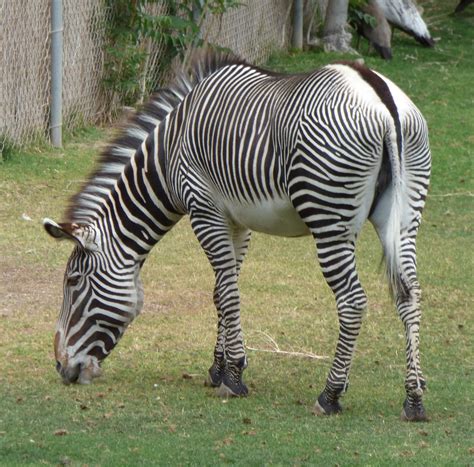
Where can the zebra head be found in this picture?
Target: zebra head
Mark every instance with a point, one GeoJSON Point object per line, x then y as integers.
{"type": "Point", "coordinates": [100, 300]}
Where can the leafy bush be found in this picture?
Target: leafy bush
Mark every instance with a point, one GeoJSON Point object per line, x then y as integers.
{"type": "Point", "coordinates": [358, 16]}
{"type": "Point", "coordinates": [132, 29]}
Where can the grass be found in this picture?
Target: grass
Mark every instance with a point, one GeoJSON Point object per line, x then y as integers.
{"type": "Point", "coordinates": [151, 406]}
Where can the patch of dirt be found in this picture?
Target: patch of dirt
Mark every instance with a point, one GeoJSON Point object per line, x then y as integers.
{"type": "Point", "coordinates": [29, 289]}
{"type": "Point", "coordinates": [169, 302]}
{"type": "Point", "coordinates": [38, 289]}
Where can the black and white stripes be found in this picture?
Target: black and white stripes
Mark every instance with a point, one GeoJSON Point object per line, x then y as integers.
{"type": "Point", "coordinates": [239, 149]}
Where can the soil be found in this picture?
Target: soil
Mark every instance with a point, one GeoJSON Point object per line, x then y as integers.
{"type": "Point", "coordinates": [28, 289]}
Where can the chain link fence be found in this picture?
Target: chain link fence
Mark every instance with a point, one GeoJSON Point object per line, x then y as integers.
{"type": "Point", "coordinates": [253, 30]}
{"type": "Point", "coordinates": [25, 67]}
{"type": "Point", "coordinates": [24, 70]}
{"type": "Point", "coordinates": [84, 39]}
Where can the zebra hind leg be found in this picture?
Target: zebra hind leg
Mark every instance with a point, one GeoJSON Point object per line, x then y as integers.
{"type": "Point", "coordinates": [407, 298]}
{"type": "Point", "coordinates": [408, 306]}
{"type": "Point", "coordinates": [337, 260]}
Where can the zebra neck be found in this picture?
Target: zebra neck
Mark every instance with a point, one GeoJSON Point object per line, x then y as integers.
{"type": "Point", "coordinates": [140, 209]}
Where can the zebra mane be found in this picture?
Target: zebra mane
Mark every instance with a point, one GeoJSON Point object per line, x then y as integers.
{"type": "Point", "coordinates": [117, 154]}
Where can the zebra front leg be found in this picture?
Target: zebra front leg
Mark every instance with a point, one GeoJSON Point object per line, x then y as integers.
{"type": "Point", "coordinates": [338, 264]}
{"type": "Point", "coordinates": [216, 238]}
{"type": "Point", "coordinates": [235, 358]}
{"type": "Point", "coordinates": [216, 372]}
{"type": "Point", "coordinates": [240, 240]}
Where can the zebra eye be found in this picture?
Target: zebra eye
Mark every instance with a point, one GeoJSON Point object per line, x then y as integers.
{"type": "Point", "coordinates": [71, 281]}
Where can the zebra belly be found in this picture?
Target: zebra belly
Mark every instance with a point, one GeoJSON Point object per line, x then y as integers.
{"type": "Point", "coordinates": [274, 217]}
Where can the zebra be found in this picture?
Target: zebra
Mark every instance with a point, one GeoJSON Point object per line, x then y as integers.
{"type": "Point", "coordinates": [238, 149]}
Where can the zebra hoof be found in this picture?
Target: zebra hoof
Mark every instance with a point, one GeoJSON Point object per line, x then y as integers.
{"type": "Point", "coordinates": [232, 390]}
{"type": "Point", "coordinates": [215, 375]}
{"type": "Point", "coordinates": [413, 412]}
{"type": "Point", "coordinates": [323, 407]}
{"type": "Point", "coordinates": [232, 385]}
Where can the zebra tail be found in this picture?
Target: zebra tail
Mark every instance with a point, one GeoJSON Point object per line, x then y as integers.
{"type": "Point", "coordinates": [392, 241]}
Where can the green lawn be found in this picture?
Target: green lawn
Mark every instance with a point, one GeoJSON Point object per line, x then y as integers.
{"type": "Point", "coordinates": [151, 406]}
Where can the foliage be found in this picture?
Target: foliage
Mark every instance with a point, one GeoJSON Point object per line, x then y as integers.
{"type": "Point", "coordinates": [357, 15]}
{"type": "Point", "coordinates": [134, 27]}
{"type": "Point", "coordinates": [358, 3]}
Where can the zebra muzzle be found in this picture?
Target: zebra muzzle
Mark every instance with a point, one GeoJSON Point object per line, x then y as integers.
{"type": "Point", "coordinates": [69, 374]}
{"type": "Point", "coordinates": [80, 373]}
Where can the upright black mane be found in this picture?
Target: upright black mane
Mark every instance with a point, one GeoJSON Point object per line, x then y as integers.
{"type": "Point", "coordinates": [115, 157]}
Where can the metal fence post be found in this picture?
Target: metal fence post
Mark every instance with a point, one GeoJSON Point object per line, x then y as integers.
{"type": "Point", "coordinates": [297, 42]}
{"type": "Point", "coordinates": [56, 72]}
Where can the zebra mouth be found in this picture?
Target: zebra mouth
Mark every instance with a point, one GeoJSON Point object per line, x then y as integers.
{"type": "Point", "coordinates": [79, 373]}
{"type": "Point", "coordinates": [69, 374]}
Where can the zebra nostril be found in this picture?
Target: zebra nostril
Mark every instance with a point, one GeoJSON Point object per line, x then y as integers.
{"type": "Point", "coordinates": [69, 374]}
{"type": "Point", "coordinates": [74, 374]}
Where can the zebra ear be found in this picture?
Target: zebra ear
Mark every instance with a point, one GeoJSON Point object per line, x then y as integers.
{"type": "Point", "coordinates": [59, 231]}
{"type": "Point", "coordinates": [63, 231]}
